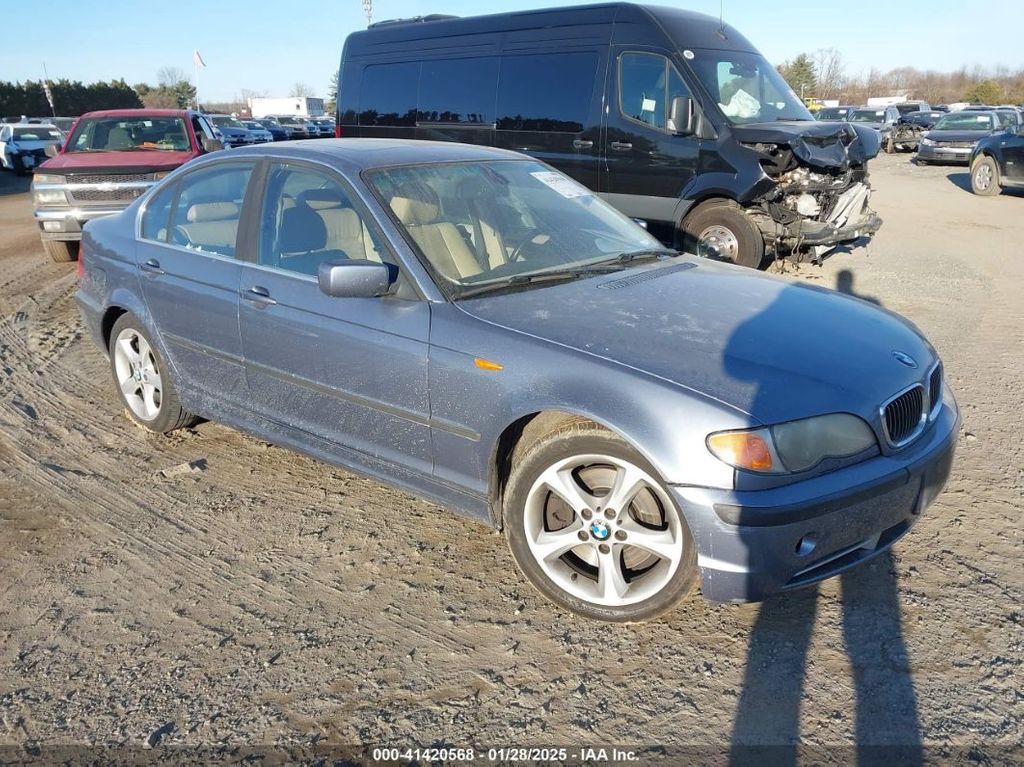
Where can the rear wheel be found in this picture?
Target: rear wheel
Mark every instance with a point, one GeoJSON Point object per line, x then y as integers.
{"type": "Point", "coordinates": [722, 231]}
{"type": "Point", "coordinates": [143, 380]}
{"type": "Point", "coordinates": [594, 529]}
{"type": "Point", "coordinates": [62, 250]}
{"type": "Point", "coordinates": [985, 177]}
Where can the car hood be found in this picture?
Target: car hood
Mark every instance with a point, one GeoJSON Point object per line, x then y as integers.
{"type": "Point", "coordinates": [823, 145]}
{"type": "Point", "coordinates": [773, 349]}
{"type": "Point", "coordinates": [138, 161]}
{"type": "Point", "coordinates": [957, 135]}
{"type": "Point", "coordinates": [232, 131]}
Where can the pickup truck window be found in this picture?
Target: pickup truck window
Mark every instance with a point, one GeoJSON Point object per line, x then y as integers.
{"type": "Point", "coordinates": [122, 134]}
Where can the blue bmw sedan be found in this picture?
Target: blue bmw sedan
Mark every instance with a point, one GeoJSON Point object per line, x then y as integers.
{"type": "Point", "coordinates": [473, 326]}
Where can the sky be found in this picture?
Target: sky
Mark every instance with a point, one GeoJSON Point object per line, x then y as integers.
{"type": "Point", "coordinates": [268, 47]}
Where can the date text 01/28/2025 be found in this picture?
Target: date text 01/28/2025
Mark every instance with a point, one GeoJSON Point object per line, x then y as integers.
{"type": "Point", "coordinates": [504, 754]}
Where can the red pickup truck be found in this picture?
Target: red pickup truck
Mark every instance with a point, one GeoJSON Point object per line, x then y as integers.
{"type": "Point", "coordinates": [109, 159]}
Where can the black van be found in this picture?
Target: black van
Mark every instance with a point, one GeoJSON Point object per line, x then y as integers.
{"type": "Point", "coordinates": [671, 116]}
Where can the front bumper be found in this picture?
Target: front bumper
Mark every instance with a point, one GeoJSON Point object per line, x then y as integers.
{"type": "Point", "coordinates": [751, 545]}
{"type": "Point", "coordinates": [67, 223]}
{"type": "Point", "coordinates": [958, 155]}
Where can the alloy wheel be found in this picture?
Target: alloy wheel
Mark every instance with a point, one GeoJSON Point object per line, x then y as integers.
{"type": "Point", "coordinates": [137, 374]}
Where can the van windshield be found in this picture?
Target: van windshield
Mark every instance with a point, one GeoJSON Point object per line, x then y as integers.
{"type": "Point", "coordinates": [747, 88]}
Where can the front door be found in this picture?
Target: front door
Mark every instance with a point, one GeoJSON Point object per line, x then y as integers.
{"type": "Point", "coordinates": [190, 275]}
{"type": "Point", "coordinates": [1013, 158]}
{"type": "Point", "coordinates": [647, 164]}
{"type": "Point", "coordinates": [351, 371]}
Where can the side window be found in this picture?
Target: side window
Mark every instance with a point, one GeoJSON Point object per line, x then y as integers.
{"type": "Point", "coordinates": [561, 105]}
{"type": "Point", "coordinates": [458, 91]}
{"type": "Point", "coordinates": [157, 214]}
{"type": "Point", "coordinates": [309, 218]}
{"type": "Point", "coordinates": [201, 129]}
{"type": "Point", "coordinates": [209, 208]}
{"type": "Point", "coordinates": [389, 94]}
{"type": "Point", "coordinates": [647, 84]}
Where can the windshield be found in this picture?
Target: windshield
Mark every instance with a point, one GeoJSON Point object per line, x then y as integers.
{"type": "Point", "coordinates": [38, 133]}
{"type": "Point", "coordinates": [489, 223]}
{"type": "Point", "coordinates": [833, 113]}
{"type": "Point", "coordinates": [747, 88]}
{"type": "Point", "coordinates": [120, 134]}
{"type": "Point", "coordinates": [224, 121]}
{"type": "Point", "coordinates": [965, 121]}
{"type": "Point", "coordinates": [906, 109]}
{"type": "Point", "coordinates": [867, 116]}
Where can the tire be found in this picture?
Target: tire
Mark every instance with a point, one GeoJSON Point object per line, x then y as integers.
{"type": "Point", "coordinates": [890, 146]}
{"type": "Point", "coordinates": [18, 164]}
{"type": "Point", "coordinates": [143, 379]}
{"type": "Point", "coordinates": [62, 251]}
{"type": "Point", "coordinates": [985, 177]}
{"type": "Point", "coordinates": [587, 558]}
{"type": "Point", "coordinates": [722, 231]}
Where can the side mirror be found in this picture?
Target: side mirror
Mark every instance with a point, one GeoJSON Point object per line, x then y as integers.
{"type": "Point", "coordinates": [212, 144]}
{"type": "Point", "coordinates": [354, 278]}
{"type": "Point", "coordinates": [51, 150]}
{"type": "Point", "coordinates": [680, 120]}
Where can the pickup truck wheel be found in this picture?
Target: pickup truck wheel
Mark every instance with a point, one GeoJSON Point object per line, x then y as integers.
{"type": "Point", "coordinates": [62, 251]}
{"type": "Point", "coordinates": [143, 379]}
{"type": "Point", "coordinates": [721, 231]}
{"type": "Point", "coordinates": [985, 177]}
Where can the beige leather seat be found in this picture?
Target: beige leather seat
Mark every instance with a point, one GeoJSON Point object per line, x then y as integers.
{"type": "Point", "coordinates": [211, 226]}
{"type": "Point", "coordinates": [440, 241]}
{"type": "Point", "coordinates": [346, 231]}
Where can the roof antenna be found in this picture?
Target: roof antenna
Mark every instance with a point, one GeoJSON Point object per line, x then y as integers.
{"type": "Point", "coordinates": [721, 19]}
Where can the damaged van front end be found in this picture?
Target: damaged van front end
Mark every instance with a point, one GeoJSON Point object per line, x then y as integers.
{"type": "Point", "coordinates": [811, 195]}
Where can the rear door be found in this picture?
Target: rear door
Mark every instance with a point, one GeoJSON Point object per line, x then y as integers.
{"type": "Point", "coordinates": [647, 165]}
{"type": "Point", "coordinates": [351, 371]}
{"type": "Point", "coordinates": [1013, 158]}
{"type": "Point", "coordinates": [190, 274]}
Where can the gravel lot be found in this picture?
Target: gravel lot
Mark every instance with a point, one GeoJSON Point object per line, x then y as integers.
{"type": "Point", "coordinates": [255, 597]}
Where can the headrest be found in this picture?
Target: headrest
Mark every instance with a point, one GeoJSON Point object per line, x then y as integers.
{"type": "Point", "coordinates": [343, 222]}
{"type": "Point", "coordinates": [319, 199]}
{"type": "Point", "coordinates": [302, 230]}
{"type": "Point", "coordinates": [414, 212]}
{"type": "Point", "coordinates": [212, 211]}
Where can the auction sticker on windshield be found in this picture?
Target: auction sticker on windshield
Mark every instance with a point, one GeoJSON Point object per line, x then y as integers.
{"type": "Point", "coordinates": [566, 187]}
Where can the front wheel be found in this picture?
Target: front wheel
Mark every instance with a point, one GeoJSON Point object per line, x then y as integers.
{"type": "Point", "coordinates": [143, 380]}
{"type": "Point", "coordinates": [594, 529]}
{"type": "Point", "coordinates": [985, 177]}
{"type": "Point", "coordinates": [722, 231]}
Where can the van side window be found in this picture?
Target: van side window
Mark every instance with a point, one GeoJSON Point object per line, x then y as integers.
{"type": "Point", "coordinates": [458, 91]}
{"type": "Point", "coordinates": [388, 94]}
{"type": "Point", "coordinates": [561, 105]}
{"type": "Point", "coordinates": [647, 84]}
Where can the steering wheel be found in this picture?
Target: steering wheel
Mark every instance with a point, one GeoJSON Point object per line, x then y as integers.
{"type": "Point", "coordinates": [527, 239]}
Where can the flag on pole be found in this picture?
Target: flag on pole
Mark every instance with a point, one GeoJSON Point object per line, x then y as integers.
{"type": "Point", "coordinates": [49, 95]}
{"type": "Point", "coordinates": [198, 59]}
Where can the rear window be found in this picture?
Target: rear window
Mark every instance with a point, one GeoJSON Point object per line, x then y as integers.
{"type": "Point", "coordinates": [546, 92]}
{"type": "Point", "coordinates": [36, 134]}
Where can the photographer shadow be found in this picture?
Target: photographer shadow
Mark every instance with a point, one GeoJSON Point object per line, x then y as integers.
{"type": "Point", "coordinates": [766, 729]}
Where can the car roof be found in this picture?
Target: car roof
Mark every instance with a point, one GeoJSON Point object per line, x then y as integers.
{"type": "Point", "coordinates": [356, 154]}
{"type": "Point", "coordinates": [138, 113]}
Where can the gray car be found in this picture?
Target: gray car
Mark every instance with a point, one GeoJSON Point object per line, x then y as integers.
{"type": "Point", "coordinates": [471, 325]}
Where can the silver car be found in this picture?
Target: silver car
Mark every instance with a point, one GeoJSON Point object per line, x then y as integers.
{"type": "Point", "coordinates": [471, 325]}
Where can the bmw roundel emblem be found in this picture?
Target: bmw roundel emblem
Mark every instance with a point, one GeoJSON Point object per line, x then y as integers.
{"type": "Point", "coordinates": [600, 531]}
{"type": "Point", "coordinates": [904, 359]}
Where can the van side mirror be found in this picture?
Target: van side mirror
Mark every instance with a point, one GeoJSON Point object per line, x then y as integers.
{"type": "Point", "coordinates": [212, 144]}
{"type": "Point", "coordinates": [354, 278]}
{"type": "Point", "coordinates": [680, 120]}
{"type": "Point", "coordinates": [51, 150]}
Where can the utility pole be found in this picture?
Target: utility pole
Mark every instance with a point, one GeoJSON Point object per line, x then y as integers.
{"type": "Point", "coordinates": [368, 10]}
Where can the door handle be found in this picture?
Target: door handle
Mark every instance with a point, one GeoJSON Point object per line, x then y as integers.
{"type": "Point", "coordinates": [582, 144]}
{"type": "Point", "coordinates": [152, 266]}
{"type": "Point", "coordinates": [258, 295]}
{"type": "Point", "coordinates": [621, 146]}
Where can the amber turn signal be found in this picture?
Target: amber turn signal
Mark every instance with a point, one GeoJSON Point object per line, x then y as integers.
{"type": "Point", "coordinates": [487, 364]}
{"type": "Point", "coordinates": [742, 449]}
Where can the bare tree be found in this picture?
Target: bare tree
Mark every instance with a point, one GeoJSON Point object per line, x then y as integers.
{"type": "Point", "coordinates": [831, 72]}
{"type": "Point", "coordinates": [168, 76]}
{"type": "Point", "coordinates": [301, 89]}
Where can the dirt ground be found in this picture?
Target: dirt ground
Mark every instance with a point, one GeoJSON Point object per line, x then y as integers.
{"type": "Point", "coordinates": [261, 597]}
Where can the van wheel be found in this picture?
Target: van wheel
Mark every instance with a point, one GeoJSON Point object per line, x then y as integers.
{"type": "Point", "coordinates": [985, 177]}
{"type": "Point", "coordinates": [592, 526]}
{"type": "Point", "coordinates": [62, 250]}
{"type": "Point", "coordinates": [722, 231]}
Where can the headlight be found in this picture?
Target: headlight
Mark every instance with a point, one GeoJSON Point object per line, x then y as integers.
{"type": "Point", "coordinates": [162, 174]}
{"type": "Point", "coordinates": [794, 446]}
{"type": "Point", "coordinates": [47, 178]}
{"type": "Point", "coordinates": [49, 197]}
{"type": "Point", "coordinates": [927, 142]}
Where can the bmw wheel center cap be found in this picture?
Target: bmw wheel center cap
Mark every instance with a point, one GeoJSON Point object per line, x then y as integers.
{"type": "Point", "coordinates": [600, 530]}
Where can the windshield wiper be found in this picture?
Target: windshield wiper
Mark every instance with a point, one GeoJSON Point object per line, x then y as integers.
{"type": "Point", "coordinates": [634, 255]}
{"type": "Point", "coordinates": [521, 280]}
